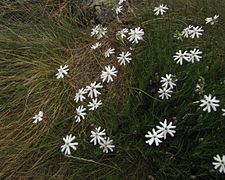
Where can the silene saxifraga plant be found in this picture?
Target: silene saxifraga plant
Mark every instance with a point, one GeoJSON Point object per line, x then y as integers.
{"type": "Point", "coordinates": [120, 54]}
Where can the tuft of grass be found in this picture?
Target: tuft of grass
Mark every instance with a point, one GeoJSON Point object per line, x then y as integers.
{"type": "Point", "coordinates": [35, 39]}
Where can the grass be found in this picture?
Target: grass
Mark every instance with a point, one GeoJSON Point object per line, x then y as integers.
{"type": "Point", "coordinates": [35, 39]}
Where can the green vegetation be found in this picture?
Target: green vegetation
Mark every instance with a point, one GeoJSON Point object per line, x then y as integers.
{"type": "Point", "coordinates": [36, 38]}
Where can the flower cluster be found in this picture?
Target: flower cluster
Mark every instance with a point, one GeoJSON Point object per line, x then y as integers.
{"type": "Point", "coordinates": [90, 94]}
{"type": "Point", "coordinates": [161, 133]}
{"type": "Point", "coordinates": [99, 137]}
{"type": "Point", "coordinates": [189, 32]}
{"type": "Point", "coordinates": [208, 103]}
{"type": "Point", "coordinates": [191, 56]}
{"type": "Point", "coordinates": [91, 91]}
{"type": "Point", "coordinates": [211, 20]}
{"type": "Point", "coordinates": [168, 84]}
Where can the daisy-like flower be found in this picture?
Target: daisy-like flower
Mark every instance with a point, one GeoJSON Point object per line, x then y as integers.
{"type": "Point", "coordinates": [121, 2]}
{"type": "Point", "coordinates": [160, 10]}
{"type": "Point", "coordinates": [196, 32]}
{"type": "Point", "coordinates": [136, 35]}
{"type": "Point", "coordinates": [212, 20]}
{"type": "Point", "coordinates": [154, 137]}
{"type": "Point", "coordinates": [168, 81]}
{"type": "Point", "coordinates": [106, 145]}
{"type": "Point", "coordinates": [99, 31]}
{"type": "Point", "coordinates": [69, 144]}
{"type": "Point", "coordinates": [180, 56]}
{"type": "Point", "coordinates": [186, 32]}
{"type": "Point", "coordinates": [122, 33]}
{"type": "Point", "coordinates": [119, 9]}
{"type": "Point", "coordinates": [223, 110]}
{"type": "Point", "coordinates": [96, 45]}
{"type": "Point", "coordinates": [97, 135]}
{"type": "Point", "coordinates": [220, 163]}
{"type": "Point", "coordinates": [195, 55]}
{"type": "Point", "coordinates": [80, 113]}
{"type": "Point", "coordinates": [165, 93]}
{"type": "Point", "coordinates": [95, 30]}
{"type": "Point", "coordinates": [166, 128]}
{"type": "Point", "coordinates": [209, 103]}
{"type": "Point", "coordinates": [102, 32]}
{"type": "Point", "coordinates": [109, 52]}
{"type": "Point", "coordinates": [92, 89]}
{"type": "Point", "coordinates": [80, 95]}
{"type": "Point", "coordinates": [38, 117]}
{"type": "Point", "coordinates": [94, 104]}
{"type": "Point", "coordinates": [108, 73]}
{"type": "Point", "coordinates": [63, 70]}
{"type": "Point", "coordinates": [124, 58]}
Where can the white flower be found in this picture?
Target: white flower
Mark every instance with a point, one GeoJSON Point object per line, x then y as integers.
{"type": "Point", "coordinates": [223, 110]}
{"type": "Point", "coordinates": [124, 57]}
{"type": "Point", "coordinates": [109, 52]}
{"type": "Point", "coordinates": [106, 145]}
{"type": "Point", "coordinates": [168, 81]}
{"type": "Point", "coordinates": [198, 88]}
{"type": "Point", "coordinates": [165, 93]}
{"type": "Point", "coordinates": [121, 2]}
{"type": "Point", "coordinates": [38, 117]}
{"type": "Point", "coordinates": [122, 33]}
{"type": "Point", "coordinates": [99, 31]}
{"type": "Point", "coordinates": [108, 73]}
{"type": "Point", "coordinates": [160, 10]}
{"type": "Point", "coordinates": [220, 164]}
{"type": "Point", "coordinates": [96, 45]}
{"type": "Point", "coordinates": [119, 9]}
{"type": "Point", "coordinates": [63, 70]}
{"type": "Point", "coordinates": [154, 137]}
{"type": "Point", "coordinates": [94, 104]}
{"type": "Point", "coordinates": [80, 113]}
{"type": "Point", "coordinates": [95, 30]}
{"type": "Point", "coordinates": [211, 20]}
{"type": "Point", "coordinates": [195, 55]}
{"type": "Point", "coordinates": [80, 95]}
{"type": "Point", "coordinates": [166, 129]}
{"type": "Point", "coordinates": [97, 135]}
{"type": "Point", "coordinates": [196, 32]}
{"type": "Point", "coordinates": [92, 89]}
{"type": "Point", "coordinates": [180, 56]}
{"type": "Point", "coordinates": [186, 32]}
{"type": "Point", "coordinates": [102, 32]}
{"type": "Point", "coordinates": [69, 144]}
{"type": "Point", "coordinates": [178, 35]}
{"type": "Point", "coordinates": [136, 35]}
{"type": "Point", "coordinates": [209, 103]}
